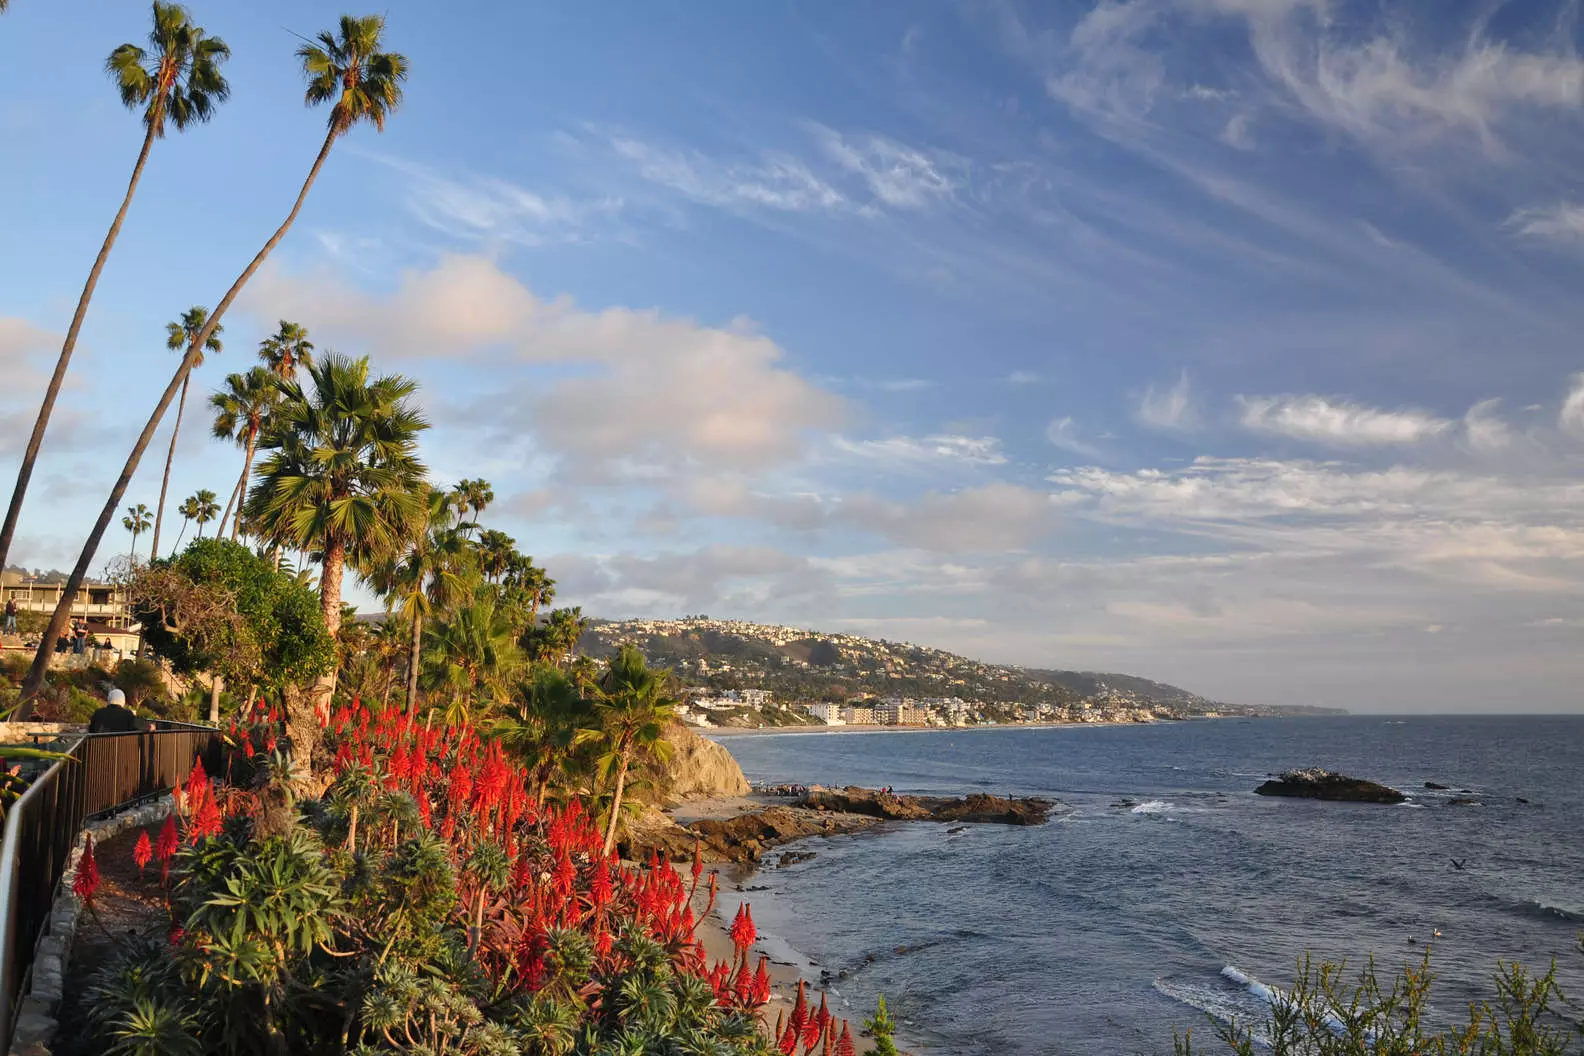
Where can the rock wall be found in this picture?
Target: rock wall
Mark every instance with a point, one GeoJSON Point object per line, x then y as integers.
{"type": "Point", "coordinates": [698, 769]}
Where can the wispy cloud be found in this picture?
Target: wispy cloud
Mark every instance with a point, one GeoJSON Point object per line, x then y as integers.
{"type": "Point", "coordinates": [897, 175]}
{"type": "Point", "coordinates": [1169, 408]}
{"type": "Point", "coordinates": [937, 449]}
{"type": "Point", "coordinates": [1327, 421]}
{"type": "Point", "coordinates": [775, 181]}
{"type": "Point", "coordinates": [1063, 433]}
{"type": "Point", "coordinates": [1571, 418]}
{"type": "Point", "coordinates": [1562, 222]}
{"type": "Point", "coordinates": [488, 208]}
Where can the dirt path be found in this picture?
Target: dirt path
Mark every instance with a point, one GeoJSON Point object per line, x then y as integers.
{"type": "Point", "coordinates": [126, 904]}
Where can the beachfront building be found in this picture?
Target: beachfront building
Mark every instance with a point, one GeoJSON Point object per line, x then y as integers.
{"type": "Point", "coordinates": [829, 714]}
{"type": "Point", "coordinates": [896, 711]}
{"type": "Point", "coordinates": [858, 715]}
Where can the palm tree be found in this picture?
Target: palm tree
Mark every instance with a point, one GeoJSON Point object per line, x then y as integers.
{"type": "Point", "coordinates": [205, 508]}
{"type": "Point", "coordinates": [541, 723]}
{"type": "Point", "coordinates": [179, 81]}
{"type": "Point", "coordinates": [365, 83]}
{"type": "Point", "coordinates": [240, 409]}
{"type": "Point", "coordinates": [471, 654]}
{"type": "Point", "coordinates": [633, 710]}
{"type": "Point", "coordinates": [342, 479]}
{"type": "Point", "coordinates": [496, 550]}
{"type": "Point", "coordinates": [474, 495]}
{"type": "Point", "coordinates": [286, 351]}
{"type": "Point", "coordinates": [188, 509]}
{"type": "Point", "coordinates": [177, 334]}
{"type": "Point", "coordinates": [137, 522]}
{"type": "Point", "coordinates": [429, 569]}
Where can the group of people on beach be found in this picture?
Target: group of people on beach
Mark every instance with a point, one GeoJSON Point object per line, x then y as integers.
{"type": "Point", "coordinates": [788, 790]}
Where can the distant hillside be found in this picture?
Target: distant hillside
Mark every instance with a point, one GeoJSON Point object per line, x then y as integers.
{"type": "Point", "coordinates": [805, 666]}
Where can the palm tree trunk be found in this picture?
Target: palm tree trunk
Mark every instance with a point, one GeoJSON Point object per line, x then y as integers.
{"type": "Point", "coordinates": [52, 633]}
{"type": "Point", "coordinates": [36, 440]}
{"type": "Point", "coordinates": [170, 456]}
{"type": "Point", "coordinates": [216, 684]}
{"type": "Point", "coordinates": [412, 664]}
{"type": "Point", "coordinates": [330, 609]}
{"type": "Point", "coordinates": [230, 501]}
{"type": "Point", "coordinates": [616, 798]}
{"type": "Point", "coordinates": [179, 537]}
{"type": "Point", "coordinates": [240, 495]}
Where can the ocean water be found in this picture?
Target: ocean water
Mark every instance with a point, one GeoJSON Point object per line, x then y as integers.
{"type": "Point", "coordinates": [1101, 932]}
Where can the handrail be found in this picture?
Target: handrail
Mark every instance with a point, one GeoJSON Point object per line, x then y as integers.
{"type": "Point", "coordinates": [101, 772]}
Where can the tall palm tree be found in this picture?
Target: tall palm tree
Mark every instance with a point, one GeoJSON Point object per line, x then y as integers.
{"type": "Point", "coordinates": [240, 409]}
{"type": "Point", "coordinates": [540, 724]}
{"type": "Point", "coordinates": [471, 655]}
{"type": "Point", "coordinates": [474, 495]}
{"type": "Point", "coordinates": [188, 510]}
{"type": "Point", "coordinates": [365, 84]}
{"type": "Point", "coordinates": [286, 350]}
{"type": "Point", "coordinates": [496, 550]}
{"type": "Point", "coordinates": [137, 522]}
{"type": "Point", "coordinates": [205, 509]}
{"type": "Point", "coordinates": [178, 81]}
{"type": "Point", "coordinates": [428, 570]}
{"type": "Point", "coordinates": [633, 711]}
{"type": "Point", "coordinates": [177, 334]}
{"type": "Point", "coordinates": [342, 479]}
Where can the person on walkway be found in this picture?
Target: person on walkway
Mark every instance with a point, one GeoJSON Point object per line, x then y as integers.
{"type": "Point", "coordinates": [10, 616]}
{"type": "Point", "coordinates": [115, 716]}
{"type": "Point", "coordinates": [79, 637]}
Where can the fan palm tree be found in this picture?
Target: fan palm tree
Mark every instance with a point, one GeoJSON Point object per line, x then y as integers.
{"type": "Point", "coordinates": [205, 508]}
{"type": "Point", "coordinates": [177, 81]}
{"type": "Point", "coordinates": [286, 351]}
{"type": "Point", "coordinates": [188, 510]}
{"type": "Point", "coordinates": [240, 409]}
{"type": "Point", "coordinates": [177, 335]}
{"type": "Point", "coordinates": [474, 495]}
{"type": "Point", "coordinates": [633, 711]}
{"type": "Point", "coordinates": [428, 570]}
{"type": "Point", "coordinates": [342, 479]}
{"type": "Point", "coordinates": [471, 654]}
{"type": "Point", "coordinates": [496, 550]}
{"type": "Point", "coordinates": [137, 522]}
{"type": "Point", "coordinates": [365, 84]}
{"type": "Point", "coordinates": [541, 723]}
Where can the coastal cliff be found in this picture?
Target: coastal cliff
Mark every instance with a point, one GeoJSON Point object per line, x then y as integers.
{"type": "Point", "coordinates": [697, 769]}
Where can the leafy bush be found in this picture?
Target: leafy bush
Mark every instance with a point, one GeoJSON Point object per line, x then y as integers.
{"type": "Point", "coordinates": [142, 683]}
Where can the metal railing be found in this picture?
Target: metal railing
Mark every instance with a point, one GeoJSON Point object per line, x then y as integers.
{"type": "Point", "coordinates": [101, 772]}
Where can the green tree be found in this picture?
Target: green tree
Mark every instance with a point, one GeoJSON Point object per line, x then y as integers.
{"type": "Point", "coordinates": [633, 710]}
{"type": "Point", "coordinates": [365, 84]}
{"type": "Point", "coordinates": [205, 508]}
{"type": "Point", "coordinates": [474, 496]}
{"type": "Point", "coordinates": [882, 1027]}
{"type": "Point", "coordinates": [428, 570]}
{"type": "Point", "coordinates": [287, 350]}
{"type": "Point", "coordinates": [342, 477]}
{"type": "Point", "coordinates": [240, 409]}
{"type": "Point", "coordinates": [137, 522]}
{"type": "Point", "coordinates": [471, 654]}
{"type": "Point", "coordinates": [178, 334]}
{"type": "Point", "coordinates": [496, 550]}
{"type": "Point", "coordinates": [178, 81]}
{"type": "Point", "coordinates": [541, 723]}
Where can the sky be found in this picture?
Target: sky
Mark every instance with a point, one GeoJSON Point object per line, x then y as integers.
{"type": "Point", "coordinates": [1232, 343]}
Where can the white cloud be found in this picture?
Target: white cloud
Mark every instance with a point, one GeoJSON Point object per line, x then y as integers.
{"type": "Point", "coordinates": [991, 518]}
{"type": "Point", "coordinates": [650, 391]}
{"type": "Point", "coordinates": [897, 175]}
{"type": "Point", "coordinates": [777, 181]}
{"type": "Point", "coordinates": [482, 207]}
{"type": "Point", "coordinates": [929, 450]}
{"type": "Point", "coordinates": [1170, 408]}
{"type": "Point", "coordinates": [1486, 434]}
{"type": "Point", "coordinates": [1562, 222]}
{"type": "Point", "coordinates": [1571, 418]}
{"type": "Point", "coordinates": [1063, 432]}
{"type": "Point", "coordinates": [1323, 420]}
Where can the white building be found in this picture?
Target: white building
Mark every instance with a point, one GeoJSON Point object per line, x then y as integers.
{"type": "Point", "coordinates": [829, 714]}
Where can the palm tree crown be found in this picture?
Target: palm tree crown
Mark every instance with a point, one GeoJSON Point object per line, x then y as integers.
{"type": "Point", "coordinates": [179, 334]}
{"type": "Point", "coordinates": [349, 68]}
{"type": "Point", "coordinates": [287, 350]}
{"type": "Point", "coordinates": [182, 81]}
{"type": "Point", "coordinates": [204, 508]}
{"type": "Point", "coordinates": [633, 708]}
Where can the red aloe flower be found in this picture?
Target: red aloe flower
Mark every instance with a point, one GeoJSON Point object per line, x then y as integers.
{"type": "Point", "coordinates": [87, 880]}
{"type": "Point", "coordinates": [742, 985]}
{"type": "Point", "coordinates": [814, 1029]}
{"type": "Point", "coordinates": [762, 981]}
{"type": "Point", "coordinates": [743, 931]}
{"type": "Point", "coordinates": [176, 934]}
{"type": "Point", "coordinates": [844, 1044]}
{"type": "Point", "coordinates": [207, 823]}
{"type": "Point", "coordinates": [789, 1041]}
{"type": "Point", "coordinates": [197, 783]}
{"type": "Point", "coordinates": [165, 846]}
{"type": "Point", "coordinates": [800, 1010]}
{"type": "Point", "coordinates": [600, 885]}
{"type": "Point", "coordinates": [143, 853]}
{"type": "Point", "coordinates": [247, 747]}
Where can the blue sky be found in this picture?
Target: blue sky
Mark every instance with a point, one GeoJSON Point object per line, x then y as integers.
{"type": "Point", "coordinates": [1228, 342]}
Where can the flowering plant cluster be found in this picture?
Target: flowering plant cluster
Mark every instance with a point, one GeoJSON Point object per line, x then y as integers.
{"type": "Point", "coordinates": [427, 903]}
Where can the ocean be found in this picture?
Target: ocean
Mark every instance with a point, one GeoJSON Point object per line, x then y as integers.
{"type": "Point", "coordinates": [1103, 931]}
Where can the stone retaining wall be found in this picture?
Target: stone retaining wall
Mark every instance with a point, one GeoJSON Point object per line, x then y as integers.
{"type": "Point", "coordinates": [22, 732]}
{"type": "Point", "coordinates": [36, 1024]}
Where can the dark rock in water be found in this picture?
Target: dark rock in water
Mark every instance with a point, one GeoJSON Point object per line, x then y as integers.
{"type": "Point", "coordinates": [955, 829]}
{"type": "Point", "coordinates": [1316, 783]}
{"type": "Point", "coordinates": [1435, 787]}
{"type": "Point", "coordinates": [1522, 800]}
{"type": "Point", "coordinates": [1124, 803]}
{"type": "Point", "coordinates": [978, 807]}
{"type": "Point", "coordinates": [794, 857]}
{"type": "Point", "coordinates": [1462, 801]}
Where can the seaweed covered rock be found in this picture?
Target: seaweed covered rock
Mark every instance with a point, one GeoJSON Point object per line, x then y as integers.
{"type": "Point", "coordinates": [1316, 783]}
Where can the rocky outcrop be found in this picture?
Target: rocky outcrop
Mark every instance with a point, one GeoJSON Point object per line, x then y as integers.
{"type": "Point", "coordinates": [1316, 783]}
{"type": "Point", "coordinates": [698, 769]}
{"type": "Point", "coordinates": [975, 808]}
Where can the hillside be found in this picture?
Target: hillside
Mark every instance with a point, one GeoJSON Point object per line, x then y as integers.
{"type": "Point", "coordinates": [800, 667]}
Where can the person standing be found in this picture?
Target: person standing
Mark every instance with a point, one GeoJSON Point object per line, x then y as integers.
{"type": "Point", "coordinates": [115, 716]}
{"type": "Point", "coordinates": [10, 616]}
{"type": "Point", "coordinates": [79, 636]}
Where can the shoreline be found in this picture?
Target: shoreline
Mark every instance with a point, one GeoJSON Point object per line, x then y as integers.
{"type": "Point", "coordinates": [729, 732]}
